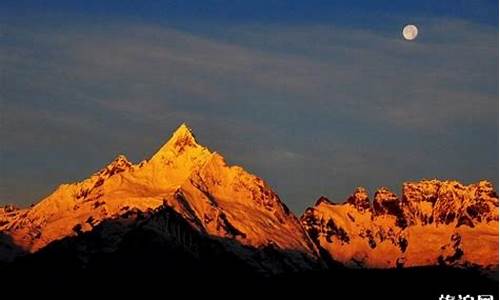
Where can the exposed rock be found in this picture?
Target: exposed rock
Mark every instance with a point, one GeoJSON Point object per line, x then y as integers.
{"type": "Point", "coordinates": [436, 222]}
{"type": "Point", "coordinates": [360, 200]}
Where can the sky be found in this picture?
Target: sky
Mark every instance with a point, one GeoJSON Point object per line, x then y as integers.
{"type": "Point", "coordinates": [316, 97]}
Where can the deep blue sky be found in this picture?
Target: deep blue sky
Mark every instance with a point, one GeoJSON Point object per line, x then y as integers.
{"type": "Point", "coordinates": [316, 97]}
{"type": "Point", "coordinates": [348, 12]}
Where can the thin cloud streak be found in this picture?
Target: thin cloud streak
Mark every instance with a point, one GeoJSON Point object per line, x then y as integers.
{"type": "Point", "coordinates": [314, 109]}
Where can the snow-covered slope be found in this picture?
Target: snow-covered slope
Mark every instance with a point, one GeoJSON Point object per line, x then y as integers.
{"type": "Point", "coordinates": [225, 203]}
{"type": "Point", "coordinates": [435, 223]}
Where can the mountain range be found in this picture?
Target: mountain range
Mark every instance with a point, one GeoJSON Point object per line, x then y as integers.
{"type": "Point", "coordinates": [187, 212]}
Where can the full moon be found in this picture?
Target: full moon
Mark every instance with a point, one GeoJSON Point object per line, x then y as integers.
{"type": "Point", "coordinates": [410, 32]}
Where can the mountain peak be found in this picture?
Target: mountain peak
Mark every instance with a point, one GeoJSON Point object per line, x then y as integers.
{"type": "Point", "coordinates": [322, 200]}
{"type": "Point", "coordinates": [119, 164]}
{"type": "Point", "coordinates": [359, 199]}
{"type": "Point", "coordinates": [184, 129]}
{"type": "Point", "coordinates": [183, 137]}
{"type": "Point", "coordinates": [181, 140]}
{"type": "Point", "coordinates": [386, 202]}
{"type": "Point", "coordinates": [120, 159]}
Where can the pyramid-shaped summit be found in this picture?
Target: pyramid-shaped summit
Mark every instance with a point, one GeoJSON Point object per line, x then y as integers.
{"type": "Point", "coordinates": [217, 201]}
{"type": "Point", "coordinates": [183, 133]}
{"type": "Point", "coordinates": [182, 140]}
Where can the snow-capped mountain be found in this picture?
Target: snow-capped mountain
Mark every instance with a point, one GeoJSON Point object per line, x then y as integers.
{"type": "Point", "coordinates": [185, 206]}
{"type": "Point", "coordinates": [225, 204]}
{"type": "Point", "coordinates": [434, 223]}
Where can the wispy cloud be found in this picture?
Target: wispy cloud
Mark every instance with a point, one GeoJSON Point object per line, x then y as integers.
{"type": "Point", "coordinates": [312, 108]}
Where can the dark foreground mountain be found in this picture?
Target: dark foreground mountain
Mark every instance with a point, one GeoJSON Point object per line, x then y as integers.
{"type": "Point", "coordinates": [159, 250]}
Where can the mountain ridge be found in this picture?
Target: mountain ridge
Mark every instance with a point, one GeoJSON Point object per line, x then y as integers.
{"type": "Point", "coordinates": [216, 199]}
{"type": "Point", "coordinates": [239, 213]}
{"type": "Point", "coordinates": [434, 223]}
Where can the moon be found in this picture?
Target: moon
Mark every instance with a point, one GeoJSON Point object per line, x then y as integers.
{"type": "Point", "coordinates": [410, 32]}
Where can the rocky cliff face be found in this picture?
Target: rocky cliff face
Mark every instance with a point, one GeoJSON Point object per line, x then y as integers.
{"type": "Point", "coordinates": [226, 204]}
{"type": "Point", "coordinates": [434, 223]}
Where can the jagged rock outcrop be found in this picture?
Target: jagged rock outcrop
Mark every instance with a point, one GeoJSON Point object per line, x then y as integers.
{"type": "Point", "coordinates": [360, 200]}
{"type": "Point", "coordinates": [449, 202]}
{"type": "Point", "coordinates": [434, 223]}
